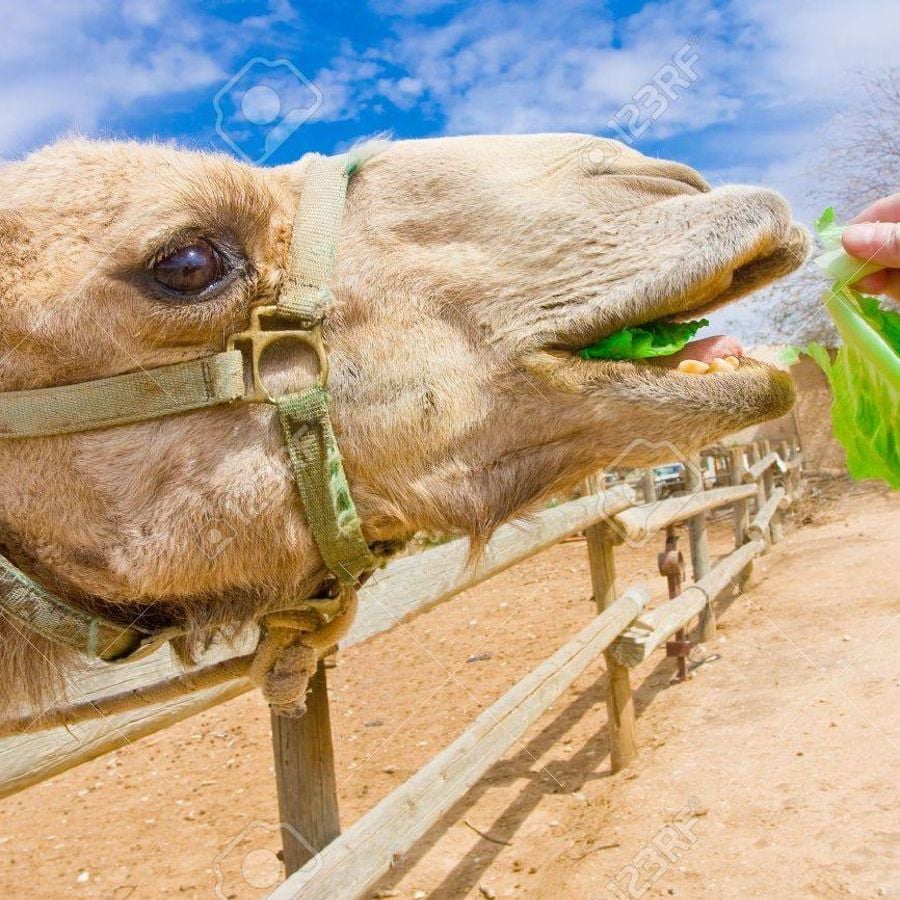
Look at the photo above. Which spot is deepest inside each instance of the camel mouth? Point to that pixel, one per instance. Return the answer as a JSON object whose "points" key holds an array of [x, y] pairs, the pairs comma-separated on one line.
{"points": [[746, 240], [733, 266]]}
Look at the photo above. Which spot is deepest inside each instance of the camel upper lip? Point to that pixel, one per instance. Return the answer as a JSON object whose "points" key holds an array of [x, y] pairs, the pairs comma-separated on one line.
{"points": [[692, 307], [700, 280]]}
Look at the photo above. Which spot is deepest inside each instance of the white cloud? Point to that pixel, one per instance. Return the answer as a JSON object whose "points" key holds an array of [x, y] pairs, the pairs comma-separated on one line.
{"points": [[66, 66], [279, 11], [536, 67], [565, 64], [771, 75]]}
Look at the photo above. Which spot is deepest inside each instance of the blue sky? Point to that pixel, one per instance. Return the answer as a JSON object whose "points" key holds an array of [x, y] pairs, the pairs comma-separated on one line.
{"points": [[743, 90], [769, 73], [767, 77]]}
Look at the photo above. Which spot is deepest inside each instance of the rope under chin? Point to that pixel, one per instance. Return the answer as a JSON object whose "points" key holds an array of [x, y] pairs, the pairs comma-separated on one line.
{"points": [[289, 650]]}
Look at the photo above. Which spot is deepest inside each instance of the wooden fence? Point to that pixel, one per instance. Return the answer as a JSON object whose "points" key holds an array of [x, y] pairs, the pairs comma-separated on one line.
{"points": [[348, 863]]}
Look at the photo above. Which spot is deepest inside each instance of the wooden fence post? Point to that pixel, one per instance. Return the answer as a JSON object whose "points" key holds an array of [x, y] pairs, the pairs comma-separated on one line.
{"points": [[784, 451], [775, 529], [753, 457], [796, 473], [699, 542], [788, 453], [648, 483], [741, 509], [750, 451], [721, 469], [619, 699], [305, 777]]}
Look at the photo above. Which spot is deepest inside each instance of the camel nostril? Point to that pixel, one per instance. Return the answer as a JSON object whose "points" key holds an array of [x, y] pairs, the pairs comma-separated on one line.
{"points": [[659, 179], [686, 175], [677, 173], [655, 185]]}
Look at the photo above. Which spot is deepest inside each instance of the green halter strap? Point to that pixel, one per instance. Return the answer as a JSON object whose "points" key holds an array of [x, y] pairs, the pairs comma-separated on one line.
{"points": [[305, 423], [123, 399], [221, 378]]}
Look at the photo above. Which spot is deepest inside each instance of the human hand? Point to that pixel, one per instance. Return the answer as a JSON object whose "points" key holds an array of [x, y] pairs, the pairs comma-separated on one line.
{"points": [[875, 235]]}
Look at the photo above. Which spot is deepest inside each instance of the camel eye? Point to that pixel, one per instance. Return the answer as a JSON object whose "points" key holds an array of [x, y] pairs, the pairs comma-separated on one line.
{"points": [[189, 269]]}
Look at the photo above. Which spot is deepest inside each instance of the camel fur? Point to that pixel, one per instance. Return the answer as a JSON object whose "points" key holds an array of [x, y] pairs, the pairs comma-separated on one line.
{"points": [[470, 271]]}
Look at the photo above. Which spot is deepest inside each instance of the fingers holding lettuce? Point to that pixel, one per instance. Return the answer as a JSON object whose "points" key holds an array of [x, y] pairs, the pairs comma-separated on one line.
{"points": [[874, 236], [864, 372]]}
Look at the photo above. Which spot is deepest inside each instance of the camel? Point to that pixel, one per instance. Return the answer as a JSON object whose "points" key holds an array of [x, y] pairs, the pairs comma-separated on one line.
{"points": [[469, 273]]}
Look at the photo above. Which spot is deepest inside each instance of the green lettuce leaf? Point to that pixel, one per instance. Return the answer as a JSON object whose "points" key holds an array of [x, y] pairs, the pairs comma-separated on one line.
{"points": [[864, 375], [644, 341]]}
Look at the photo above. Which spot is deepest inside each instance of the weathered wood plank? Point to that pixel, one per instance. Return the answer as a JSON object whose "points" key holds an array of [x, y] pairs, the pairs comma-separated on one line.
{"points": [[699, 544], [305, 777], [619, 697], [656, 626], [741, 511], [775, 529], [758, 469], [412, 584], [759, 527], [754, 456], [648, 483], [417, 583], [640, 522], [351, 863], [26, 760]]}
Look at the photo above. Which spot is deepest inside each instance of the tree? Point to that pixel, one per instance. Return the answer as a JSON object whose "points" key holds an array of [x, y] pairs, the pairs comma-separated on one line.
{"points": [[860, 164]]}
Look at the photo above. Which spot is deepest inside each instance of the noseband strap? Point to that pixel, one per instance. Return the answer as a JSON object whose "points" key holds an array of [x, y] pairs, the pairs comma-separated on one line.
{"points": [[123, 399]]}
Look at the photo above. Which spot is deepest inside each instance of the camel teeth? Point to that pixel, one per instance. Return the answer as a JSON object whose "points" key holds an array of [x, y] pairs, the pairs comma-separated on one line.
{"points": [[693, 367], [696, 367]]}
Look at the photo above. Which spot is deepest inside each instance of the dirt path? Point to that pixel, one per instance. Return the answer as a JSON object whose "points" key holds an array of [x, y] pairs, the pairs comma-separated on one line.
{"points": [[772, 773]]}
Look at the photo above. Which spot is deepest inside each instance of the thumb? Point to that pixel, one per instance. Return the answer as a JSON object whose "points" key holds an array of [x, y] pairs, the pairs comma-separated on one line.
{"points": [[877, 242]]}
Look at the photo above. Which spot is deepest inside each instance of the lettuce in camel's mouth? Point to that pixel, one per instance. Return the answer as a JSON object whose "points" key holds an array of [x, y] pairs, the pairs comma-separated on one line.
{"points": [[670, 345]]}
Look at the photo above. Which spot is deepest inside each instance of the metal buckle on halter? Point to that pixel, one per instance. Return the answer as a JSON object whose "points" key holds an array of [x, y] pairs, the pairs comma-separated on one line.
{"points": [[260, 335]]}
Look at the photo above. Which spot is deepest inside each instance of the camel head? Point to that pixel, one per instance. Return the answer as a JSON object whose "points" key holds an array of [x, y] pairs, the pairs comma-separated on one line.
{"points": [[470, 273]]}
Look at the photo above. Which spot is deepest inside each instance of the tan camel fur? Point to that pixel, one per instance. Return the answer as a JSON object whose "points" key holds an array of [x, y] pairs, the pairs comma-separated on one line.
{"points": [[470, 270]]}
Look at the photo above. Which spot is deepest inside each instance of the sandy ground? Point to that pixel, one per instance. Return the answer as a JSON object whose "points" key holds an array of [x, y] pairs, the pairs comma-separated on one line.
{"points": [[771, 773]]}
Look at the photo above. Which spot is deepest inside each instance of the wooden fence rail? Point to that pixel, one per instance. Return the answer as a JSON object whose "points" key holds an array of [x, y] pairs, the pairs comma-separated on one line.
{"points": [[762, 521], [350, 865], [408, 586], [623, 631], [352, 862], [649, 631]]}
